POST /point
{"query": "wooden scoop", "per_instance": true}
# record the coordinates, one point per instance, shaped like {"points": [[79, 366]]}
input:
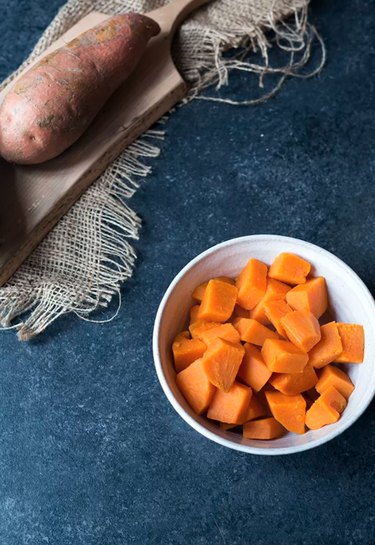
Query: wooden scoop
{"points": [[33, 198]]}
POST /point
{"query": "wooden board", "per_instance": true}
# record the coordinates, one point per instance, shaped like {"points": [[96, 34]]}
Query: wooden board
{"points": [[34, 198]]}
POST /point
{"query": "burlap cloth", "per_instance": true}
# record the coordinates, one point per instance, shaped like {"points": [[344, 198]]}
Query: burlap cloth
{"points": [[81, 264]]}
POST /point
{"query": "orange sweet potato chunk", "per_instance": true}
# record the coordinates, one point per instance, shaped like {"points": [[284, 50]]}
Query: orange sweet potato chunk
{"points": [[198, 327], [289, 268], [311, 296], [194, 314], [195, 387], [185, 351], [253, 332], [288, 410], [221, 362], [222, 331], [251, 283], [199, 290], [275, 310], [275, 291], [332, 376], [352, 338], [256, 409], [283, 357], [326, 409], [295, 383], [266, 428], [231, 406], [328, 348], [218, 301], [302, 329], [253, 371]]}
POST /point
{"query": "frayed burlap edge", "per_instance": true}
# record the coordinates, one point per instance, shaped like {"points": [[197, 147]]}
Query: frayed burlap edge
{"points": [[38, 303]]}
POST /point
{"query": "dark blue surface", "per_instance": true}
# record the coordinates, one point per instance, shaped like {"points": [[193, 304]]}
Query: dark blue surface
{"points": [[91, 452]]}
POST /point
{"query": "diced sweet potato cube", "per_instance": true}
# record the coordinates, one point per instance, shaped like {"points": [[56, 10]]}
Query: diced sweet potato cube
{"points": [[256, 409], [251, 284], [199, 290], [198, 327], [253, 332], [332, 376], [288, 410], [195, 387], [253, 371], [295, 383], [275, 291], [194, 314], [311, 296], [302, 329], [326, 409], [185, 351], [221, 362], [289, 268], [328, 348], [218, 301], [231, 406], [319, 415], [222, 331], [275, 310], [266, 428], [352, 338], [283, 357]]}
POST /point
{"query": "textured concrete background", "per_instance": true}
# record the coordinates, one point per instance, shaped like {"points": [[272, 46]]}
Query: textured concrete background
{"points": [[91, 452]]}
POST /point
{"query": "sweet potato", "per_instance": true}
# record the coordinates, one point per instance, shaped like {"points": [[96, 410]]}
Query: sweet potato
{"points": [[199, 326], [275, 310], [231, 406], [310, 296], [221, 362], [266, 428], [54, 102], [195, 387], [289, 268], [251, 284], [223, 331], [352, 338], [194, 314], [253, 332], [302, 329], [218, 301], [332, 376], [328, 348], [283, 357], [253, 371], [290, 411], [199, 290], [186, 350], [295, 383], [256, 409]]}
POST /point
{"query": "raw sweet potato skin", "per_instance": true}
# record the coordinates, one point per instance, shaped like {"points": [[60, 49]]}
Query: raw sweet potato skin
{"points": [[55, 101]]}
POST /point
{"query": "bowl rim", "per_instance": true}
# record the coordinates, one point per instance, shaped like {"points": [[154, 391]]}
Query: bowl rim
{"points": [[181, 411]]}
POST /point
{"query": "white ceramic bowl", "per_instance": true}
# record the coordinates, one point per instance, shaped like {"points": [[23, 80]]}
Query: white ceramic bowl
{"points": [[350, 301]]}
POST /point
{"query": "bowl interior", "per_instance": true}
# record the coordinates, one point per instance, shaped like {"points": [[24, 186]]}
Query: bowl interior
{"points": [[350, 301]]}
